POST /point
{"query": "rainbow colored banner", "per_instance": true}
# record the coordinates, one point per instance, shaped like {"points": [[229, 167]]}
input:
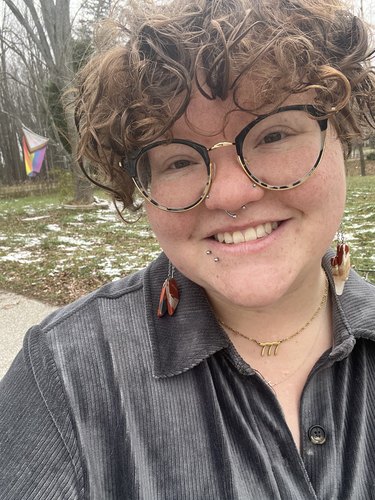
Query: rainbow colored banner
{"points": [[33, 161], [34, 150]]}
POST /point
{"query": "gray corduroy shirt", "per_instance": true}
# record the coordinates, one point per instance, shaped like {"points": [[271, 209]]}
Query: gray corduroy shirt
{"points": [[106, 401]]}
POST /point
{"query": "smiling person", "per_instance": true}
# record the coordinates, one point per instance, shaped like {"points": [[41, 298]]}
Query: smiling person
{"points": [[241, 362]]}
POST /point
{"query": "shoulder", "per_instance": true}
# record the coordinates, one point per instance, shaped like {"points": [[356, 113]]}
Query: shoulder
{"points": [[90, 307], [105, 330], [92, 333], [61, 381]]}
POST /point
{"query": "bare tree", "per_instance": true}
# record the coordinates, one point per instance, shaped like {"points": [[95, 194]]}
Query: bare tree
{"points": [[10, 153], [48, 27]]}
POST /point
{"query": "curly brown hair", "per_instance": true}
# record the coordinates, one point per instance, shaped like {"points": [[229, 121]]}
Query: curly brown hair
{"points": [[155, 54]]}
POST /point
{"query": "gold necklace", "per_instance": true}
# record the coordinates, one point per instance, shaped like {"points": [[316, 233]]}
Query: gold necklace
{"points": [[288, 376], [272, 347]]}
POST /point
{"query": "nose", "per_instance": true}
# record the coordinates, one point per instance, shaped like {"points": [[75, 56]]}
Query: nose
{"points": [[231, 187]]}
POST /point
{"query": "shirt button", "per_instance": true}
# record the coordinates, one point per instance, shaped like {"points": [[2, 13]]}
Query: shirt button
{"points": [[317, 434]]}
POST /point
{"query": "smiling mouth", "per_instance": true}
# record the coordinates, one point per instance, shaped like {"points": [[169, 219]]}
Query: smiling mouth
{"points": [[250, 234]]}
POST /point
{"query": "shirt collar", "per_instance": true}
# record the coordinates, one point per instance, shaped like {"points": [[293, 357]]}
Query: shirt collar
{"points": [[192, 334], [353, 311]]}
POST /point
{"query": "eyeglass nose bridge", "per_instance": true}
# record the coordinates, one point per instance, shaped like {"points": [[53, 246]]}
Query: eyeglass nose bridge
{"points": [[221, 145]]}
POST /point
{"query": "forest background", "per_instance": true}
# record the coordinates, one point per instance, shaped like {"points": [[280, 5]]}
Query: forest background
{"points": [[43, 43], [55, 254]]}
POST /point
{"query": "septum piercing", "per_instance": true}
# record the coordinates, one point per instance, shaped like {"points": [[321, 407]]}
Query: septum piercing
{"points": [[233, 214]]}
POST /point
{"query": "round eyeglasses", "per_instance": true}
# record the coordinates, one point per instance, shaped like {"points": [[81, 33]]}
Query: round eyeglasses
{"points": [[277, 151]]}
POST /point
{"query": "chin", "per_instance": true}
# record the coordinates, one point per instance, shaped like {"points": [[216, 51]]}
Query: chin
{"points": [[250, 293]]}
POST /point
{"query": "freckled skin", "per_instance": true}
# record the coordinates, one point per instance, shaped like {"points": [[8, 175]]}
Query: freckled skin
{"points": [[264, 276]]}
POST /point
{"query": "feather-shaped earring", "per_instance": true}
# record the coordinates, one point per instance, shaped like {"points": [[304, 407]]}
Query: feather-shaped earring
{"points": [[340, 263], [169, 295]]}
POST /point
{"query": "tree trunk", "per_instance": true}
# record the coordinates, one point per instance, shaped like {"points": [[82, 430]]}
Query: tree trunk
{"points": [[362, 160], [83, 188]]}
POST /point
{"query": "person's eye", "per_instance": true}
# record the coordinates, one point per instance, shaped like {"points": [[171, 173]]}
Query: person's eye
{"points": [[178, 164], [273, 137]]}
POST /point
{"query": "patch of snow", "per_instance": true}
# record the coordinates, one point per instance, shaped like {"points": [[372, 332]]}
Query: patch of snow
{"points": [[32, 242], [38, 217], [53, 227], [144, 233], [74, 241], [22, 256]]}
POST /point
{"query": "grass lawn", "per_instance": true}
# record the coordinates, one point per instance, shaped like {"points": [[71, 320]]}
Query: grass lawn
{"points": [[56, 255]]}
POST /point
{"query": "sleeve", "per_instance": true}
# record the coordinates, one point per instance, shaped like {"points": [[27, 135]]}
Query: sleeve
{"points": [[39, 451]]}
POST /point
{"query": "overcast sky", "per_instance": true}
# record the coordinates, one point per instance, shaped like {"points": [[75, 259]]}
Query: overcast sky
{"points": [[368, 8]]}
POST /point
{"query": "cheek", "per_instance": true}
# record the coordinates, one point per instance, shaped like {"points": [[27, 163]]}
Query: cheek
{"points": [[169, 227], [325, 191], [321, 199], [331, 176]]}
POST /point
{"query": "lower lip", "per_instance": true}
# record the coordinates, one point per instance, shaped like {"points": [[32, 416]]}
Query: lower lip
{"points": [[247, 247]]}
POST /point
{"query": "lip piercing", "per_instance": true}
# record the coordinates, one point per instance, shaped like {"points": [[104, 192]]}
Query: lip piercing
{"points": [[243, 207], [254, 185], [216, 259], [231, 214]]}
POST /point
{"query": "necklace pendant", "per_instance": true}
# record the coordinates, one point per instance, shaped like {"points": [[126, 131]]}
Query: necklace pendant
{"points": [[271, 347]]}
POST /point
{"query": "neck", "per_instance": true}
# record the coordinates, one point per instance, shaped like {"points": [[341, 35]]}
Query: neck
{"points": [[290, 365], [279, 319]]}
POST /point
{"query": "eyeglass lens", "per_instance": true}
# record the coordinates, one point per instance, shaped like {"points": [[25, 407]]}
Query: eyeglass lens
{"points": [[279, 150]]}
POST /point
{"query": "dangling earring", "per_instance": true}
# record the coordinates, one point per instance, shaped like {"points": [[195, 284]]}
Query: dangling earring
{"points": [[340, 263], [169, 296]]}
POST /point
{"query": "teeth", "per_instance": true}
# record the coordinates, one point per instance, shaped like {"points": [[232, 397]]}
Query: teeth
{"points": [[268, 228], [228, 238], [238, 237], [252, 233], [260, 231]]}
